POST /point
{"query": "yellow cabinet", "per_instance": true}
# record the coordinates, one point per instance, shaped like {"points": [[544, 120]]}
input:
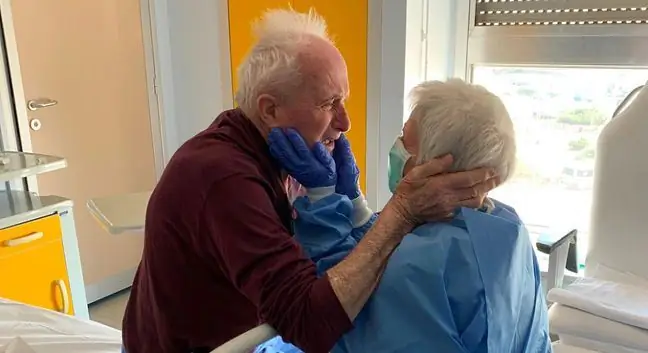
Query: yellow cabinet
{"points": [[32, 265], [347, 23]]}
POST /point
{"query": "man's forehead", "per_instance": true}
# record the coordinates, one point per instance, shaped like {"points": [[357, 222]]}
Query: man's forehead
{"points": [[325, 87], [333, 91], [325, 70]]}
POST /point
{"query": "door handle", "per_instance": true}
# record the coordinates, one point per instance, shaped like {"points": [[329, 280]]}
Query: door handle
{"points": [[23, 240], [65, 297], [40, 103]]}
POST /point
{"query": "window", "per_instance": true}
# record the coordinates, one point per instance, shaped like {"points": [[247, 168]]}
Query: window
{"points": [[561, 68], [558, 114]]}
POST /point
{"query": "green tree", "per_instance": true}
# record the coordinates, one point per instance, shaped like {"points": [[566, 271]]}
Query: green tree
{"points": [[588, 116], [578, 145]]}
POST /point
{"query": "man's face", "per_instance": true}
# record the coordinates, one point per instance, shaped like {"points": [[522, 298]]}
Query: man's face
{"points": [[319, 115], [317, 109]]}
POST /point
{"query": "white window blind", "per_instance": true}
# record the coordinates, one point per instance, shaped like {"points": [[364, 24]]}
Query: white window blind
{"points": [[560, 12]]}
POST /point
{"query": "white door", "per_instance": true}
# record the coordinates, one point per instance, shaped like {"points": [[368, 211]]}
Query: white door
{"points": [[89, 57]]}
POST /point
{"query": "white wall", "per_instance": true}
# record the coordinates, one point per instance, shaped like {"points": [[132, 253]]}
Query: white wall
{"points": [[192, 50], [439, 39], [385, 90], [415, 47]]}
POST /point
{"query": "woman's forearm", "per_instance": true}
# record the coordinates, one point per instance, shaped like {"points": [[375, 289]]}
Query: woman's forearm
{"points": [[355, 278]]}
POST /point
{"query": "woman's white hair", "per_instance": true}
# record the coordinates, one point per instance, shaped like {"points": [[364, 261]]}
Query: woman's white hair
{"points": [[466, 121], [271, 66]]}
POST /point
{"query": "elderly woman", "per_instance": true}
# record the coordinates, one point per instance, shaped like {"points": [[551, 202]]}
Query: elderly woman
{"points": [[470, 284]]}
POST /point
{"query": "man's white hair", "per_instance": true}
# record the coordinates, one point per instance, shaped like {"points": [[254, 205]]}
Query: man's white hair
{"points": [[271, 66], [466, 121]]}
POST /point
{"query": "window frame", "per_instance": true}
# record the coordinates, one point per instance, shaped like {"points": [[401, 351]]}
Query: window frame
{"points": [[562, 46], [610, 46]]}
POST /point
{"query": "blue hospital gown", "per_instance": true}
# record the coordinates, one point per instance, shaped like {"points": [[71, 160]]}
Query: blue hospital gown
{"points": [[470, 285]]}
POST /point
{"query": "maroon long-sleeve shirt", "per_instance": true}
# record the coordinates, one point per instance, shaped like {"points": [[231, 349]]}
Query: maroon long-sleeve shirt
{"points": [[219, 256]]}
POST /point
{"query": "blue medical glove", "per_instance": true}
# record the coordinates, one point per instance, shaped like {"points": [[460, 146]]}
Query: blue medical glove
{"points": [[349, 181], [313, 168], [347, 169]]}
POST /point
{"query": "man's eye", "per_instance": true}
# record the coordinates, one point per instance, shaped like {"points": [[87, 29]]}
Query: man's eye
{"points": [[332, 105], [328, 106], [337, 104]]}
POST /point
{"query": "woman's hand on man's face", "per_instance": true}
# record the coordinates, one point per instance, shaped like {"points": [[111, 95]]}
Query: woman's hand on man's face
{"points": [[428, 193]]}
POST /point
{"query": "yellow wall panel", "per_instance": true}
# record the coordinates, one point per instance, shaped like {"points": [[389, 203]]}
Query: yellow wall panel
{"points": [[347, 23], [241, 15]]}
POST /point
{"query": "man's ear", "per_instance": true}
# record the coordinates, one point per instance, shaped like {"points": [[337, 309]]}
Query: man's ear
{"points": [[267, 106]]}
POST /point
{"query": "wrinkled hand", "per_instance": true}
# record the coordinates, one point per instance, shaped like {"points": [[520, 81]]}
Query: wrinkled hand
{"points": [[311, 167], [348, 174], [427, 195]]}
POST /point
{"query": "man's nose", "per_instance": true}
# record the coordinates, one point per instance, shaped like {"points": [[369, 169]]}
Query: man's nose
{"points": [[341, 121]]}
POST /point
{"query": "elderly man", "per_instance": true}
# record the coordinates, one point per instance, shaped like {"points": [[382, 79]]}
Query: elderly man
{"points": [[219, 256], [468, 285]]}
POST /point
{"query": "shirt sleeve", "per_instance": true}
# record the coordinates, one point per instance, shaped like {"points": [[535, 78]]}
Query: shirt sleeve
{"points": [[359, 232], [265, 263], [361, 212], [324, 229]]}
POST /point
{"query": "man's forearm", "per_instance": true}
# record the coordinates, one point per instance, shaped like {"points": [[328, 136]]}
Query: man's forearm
{"points": [[355, 278]]}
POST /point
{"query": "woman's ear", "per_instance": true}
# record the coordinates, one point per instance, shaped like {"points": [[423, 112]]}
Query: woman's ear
{"points": [[411, 163]]}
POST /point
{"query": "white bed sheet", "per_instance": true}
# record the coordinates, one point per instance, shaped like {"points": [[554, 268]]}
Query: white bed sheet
{"points": [[559, 347], [622, 303], [582, 345], [47, 331], [576, 325]]}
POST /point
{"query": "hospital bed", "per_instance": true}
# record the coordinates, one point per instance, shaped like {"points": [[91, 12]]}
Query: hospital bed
{"points": [[29, 329]]}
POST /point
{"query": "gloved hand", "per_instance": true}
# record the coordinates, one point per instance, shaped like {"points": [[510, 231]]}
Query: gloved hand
{"points": [[347, 169], [349, 181], [313, 168]]}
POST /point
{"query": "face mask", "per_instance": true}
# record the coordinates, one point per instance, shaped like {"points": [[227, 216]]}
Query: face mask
{"points": [[398, 156]]}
